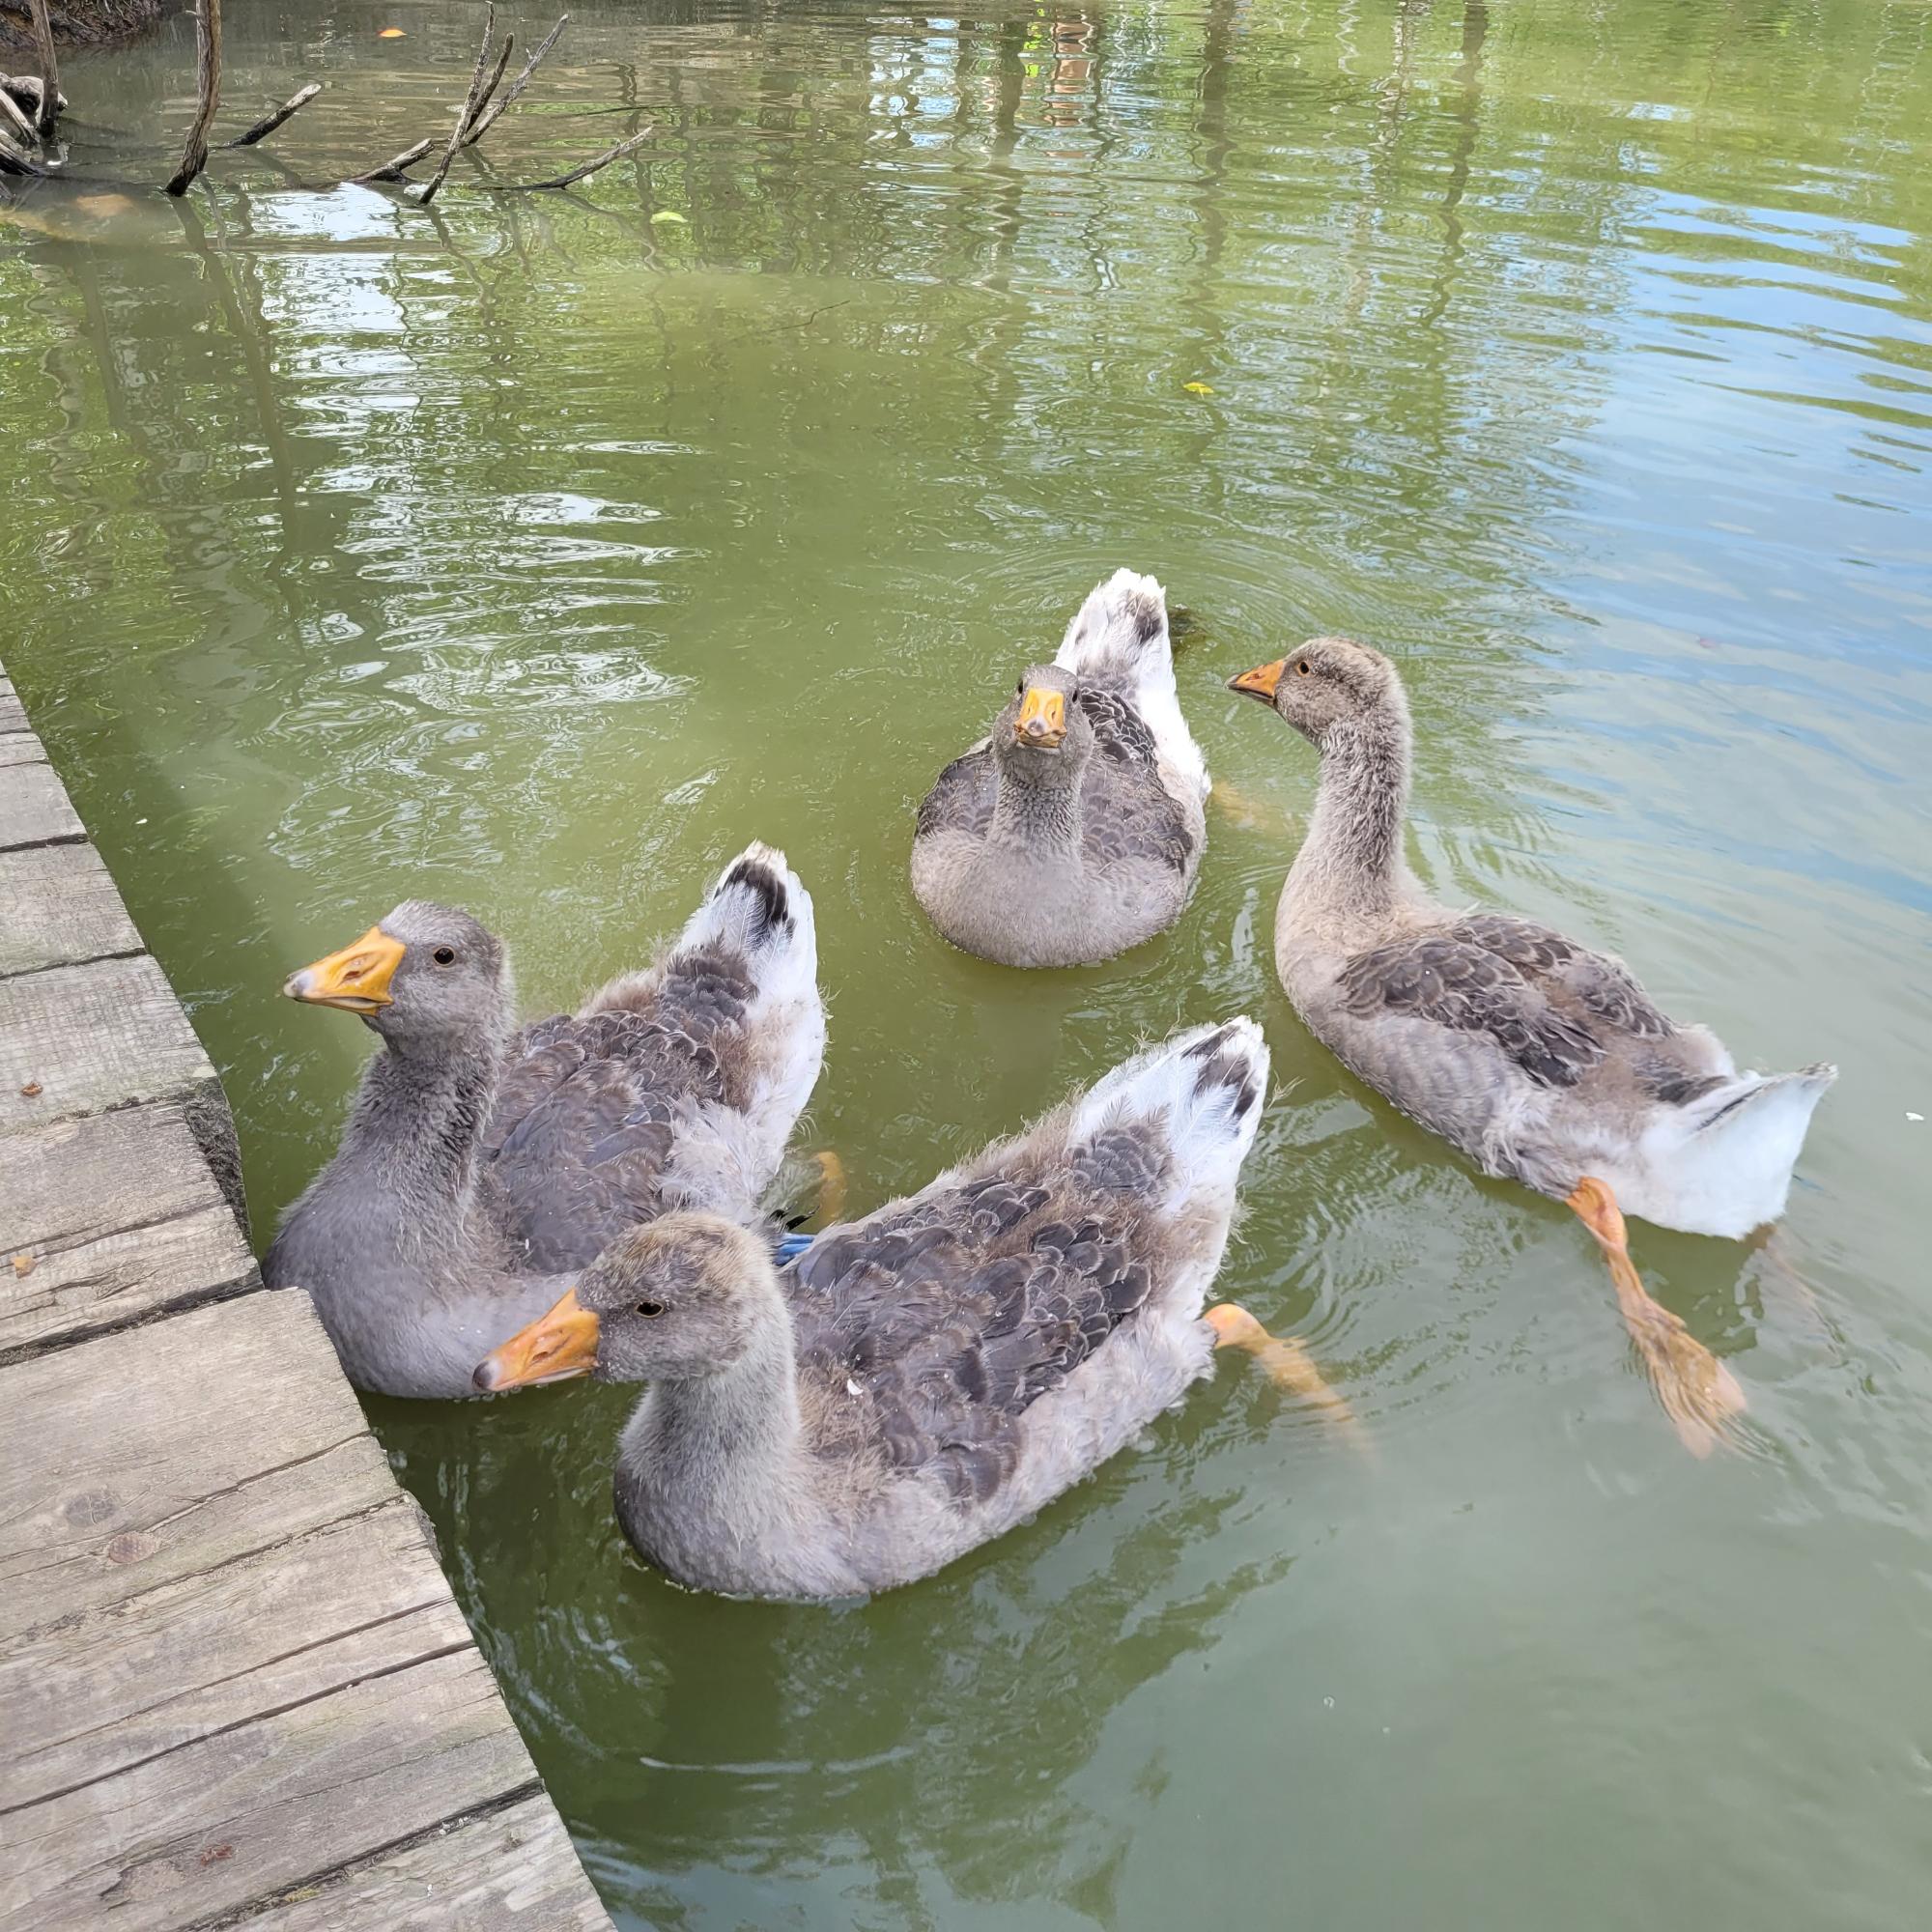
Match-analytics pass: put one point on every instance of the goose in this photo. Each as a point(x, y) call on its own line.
point(483, 1166)
point(1541, 1060)
point(1074, 831)
point(919, 1380)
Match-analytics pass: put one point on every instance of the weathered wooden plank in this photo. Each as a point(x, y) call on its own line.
point(34, 806)
point(120, 1220)
point(94, 1695)
point(235, 1685)
point(94, 1036)
point(510, 1871)
point(266, 1804)
point(59, 907)
point(141, 1457)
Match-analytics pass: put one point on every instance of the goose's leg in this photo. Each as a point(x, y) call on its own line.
point(1287, 1362)
point(1252, 813)
point(1794, 1295)
point(1698, 1393)
point(831, 1186)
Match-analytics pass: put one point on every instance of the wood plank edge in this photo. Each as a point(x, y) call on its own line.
point(335, 1877)
point(247, 1281)
point(79, 959)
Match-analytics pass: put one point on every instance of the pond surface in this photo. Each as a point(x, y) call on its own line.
point(536, 553)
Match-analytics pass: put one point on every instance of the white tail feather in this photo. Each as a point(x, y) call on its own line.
point(1120, 636)
point(1208, 1083)
point(759, 907)
point(1723, 1165)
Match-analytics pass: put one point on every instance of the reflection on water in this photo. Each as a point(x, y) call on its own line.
point(530, 553)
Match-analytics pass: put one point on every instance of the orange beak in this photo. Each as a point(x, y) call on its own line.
point(553, 1348)
point(356, 978)
point(1042, 720)
point(1260, 682)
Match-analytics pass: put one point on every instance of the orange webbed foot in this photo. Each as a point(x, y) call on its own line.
point(1288, 1364)
point(1699, 1394)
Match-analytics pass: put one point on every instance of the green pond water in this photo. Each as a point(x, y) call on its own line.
point(535, 554)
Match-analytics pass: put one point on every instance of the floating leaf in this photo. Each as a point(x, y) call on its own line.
point(389, 34)
point(1198, 388)
point(670, 215)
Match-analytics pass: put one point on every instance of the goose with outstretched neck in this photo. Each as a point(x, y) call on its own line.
point(483, 1164)
point(1541, 1060)
point(920, 1381)
point(1075, 829)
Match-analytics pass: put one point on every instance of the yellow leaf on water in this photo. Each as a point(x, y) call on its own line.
point(670, 214)
point(1198, 389)
point(389, 34)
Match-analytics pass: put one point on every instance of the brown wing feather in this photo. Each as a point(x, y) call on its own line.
point(1456, 983)
point(1604, 986)
point(588, 1108)
point(949, 1316)
point(962, 796)
point(1127, 812)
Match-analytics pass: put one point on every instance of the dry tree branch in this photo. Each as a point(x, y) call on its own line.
point(467, 112)
point(44, 40)
point(469, 135)
point(269, 123)
point(576, 175)
point(485, 121)
point(392, 170)
point(15, 159)
point(208, 74)
point(13, 111)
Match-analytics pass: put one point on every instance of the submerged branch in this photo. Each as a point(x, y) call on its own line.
point(467, 112)
point(15, 159)
point(485, 121)
point(392, 170)
point(208, 76)
point(269, 123)
point(576, 175)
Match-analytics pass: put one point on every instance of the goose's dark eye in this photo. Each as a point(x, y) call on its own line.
point(648, 1308)
point(1301, 668)
point(444, 956)
point(1019, 690)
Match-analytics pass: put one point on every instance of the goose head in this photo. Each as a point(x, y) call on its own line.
point(677, 1299)
point(1043, 733)
point(422, 976)
point(1327, 683)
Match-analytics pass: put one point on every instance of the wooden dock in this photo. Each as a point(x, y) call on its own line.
point(235, 1687)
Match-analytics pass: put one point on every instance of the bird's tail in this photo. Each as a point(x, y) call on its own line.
point(759, 907)
point(1206, 1084)
point(1121, 633)
point(1728, 1154)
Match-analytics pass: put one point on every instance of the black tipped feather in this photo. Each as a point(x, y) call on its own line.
point(772, 912)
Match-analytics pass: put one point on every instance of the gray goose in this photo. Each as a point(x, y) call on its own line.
point(483, 1165)
point(1541, 1060)
point(1074, 831)
point(919, 1380)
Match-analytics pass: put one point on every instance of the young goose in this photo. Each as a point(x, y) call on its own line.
point(481, 1166)
point(1541, 1060)
point(1075, 829)
point(925, 1378)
